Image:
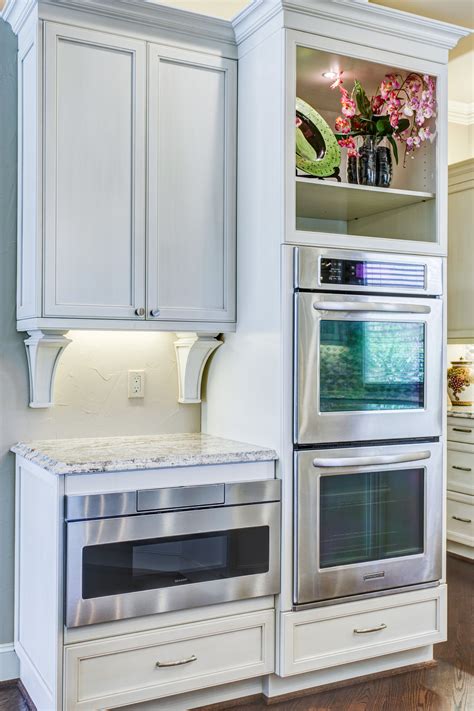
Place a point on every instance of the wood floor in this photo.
(448, 686)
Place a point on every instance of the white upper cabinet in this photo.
(127, 172)
(191, 186)
(95, 111)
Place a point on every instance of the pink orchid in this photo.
(343, 125)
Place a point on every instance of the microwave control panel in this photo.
(351, 272)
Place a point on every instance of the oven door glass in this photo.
(371, 516)
(132, 566)
(371, 365)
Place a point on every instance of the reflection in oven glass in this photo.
(131, 566)
(371, 516)
(371, 365)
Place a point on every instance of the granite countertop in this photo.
(467, 412)
(111, 454)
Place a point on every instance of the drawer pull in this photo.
(366, 630)
(178, 663)
(463, 520)
(466, 430)
(462, 469)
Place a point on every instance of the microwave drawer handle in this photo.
(358, 306)
(368, 461)
(367, 630)
(177, 663)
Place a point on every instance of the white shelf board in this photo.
(322, 200)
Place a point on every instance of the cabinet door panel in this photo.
(191, 199)
(95, 171)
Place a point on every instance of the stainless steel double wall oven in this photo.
(368, 383)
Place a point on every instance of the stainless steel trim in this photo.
(363, 596)
(461, 469)
(313, 584)
(369, 308)
(463, 520)
(466, 430)
(368, 630)
(80, 534)
(369, 461)
(180, 497)
(82, 507)
(311, 426)
(306, 270)
(178, 663)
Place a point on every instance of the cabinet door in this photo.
(95, 114)
(191, 186)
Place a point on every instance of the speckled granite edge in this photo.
(459, 412)
(169, 451)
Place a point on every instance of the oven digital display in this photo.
(351, 272)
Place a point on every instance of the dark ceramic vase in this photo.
(367, 166)
(352, 170)
(384, 167)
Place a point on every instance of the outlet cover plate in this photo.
(136, 384)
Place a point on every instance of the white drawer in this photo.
(460, 518)
(326, 636)
(461, 468)
(123, 670)
(461, 429)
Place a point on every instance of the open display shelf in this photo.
(405, 211)
(316, 199)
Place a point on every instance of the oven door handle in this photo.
(369, 461)
(371, 307)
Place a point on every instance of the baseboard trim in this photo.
(255, 698)
(9, 663)
(354, 681)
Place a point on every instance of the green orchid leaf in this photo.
(394, 147)
(403, 124)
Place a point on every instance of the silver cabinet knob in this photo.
(155, 312)
(140, 312)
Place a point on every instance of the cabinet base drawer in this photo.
(151, 665)
(461, 468)
(460, 429)
(460, 518)
(340, 634)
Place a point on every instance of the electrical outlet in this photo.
(136, 383)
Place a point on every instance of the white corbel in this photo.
(43, 350)
(192, 353)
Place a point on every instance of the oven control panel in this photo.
(352, 272)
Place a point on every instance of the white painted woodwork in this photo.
(43, 351)
(460, 518)
(191, 185)
(38, 583)
(192, 353)
(460, 429)
(325, 637)
(123, 670)
(95, 105)
(460, 468)
(461, 252)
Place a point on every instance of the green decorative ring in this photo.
(326, 165)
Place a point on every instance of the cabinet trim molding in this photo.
(192, 353)
(43, 351)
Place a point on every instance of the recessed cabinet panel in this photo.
(191, 191)
(95, 171)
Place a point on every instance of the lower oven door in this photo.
(139, 565)
(367, 519)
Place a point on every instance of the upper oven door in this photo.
(367, 519)
(130, 566)
(367, 368)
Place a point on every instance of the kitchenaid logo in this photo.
(373, 576)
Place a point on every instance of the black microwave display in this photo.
(391, 275)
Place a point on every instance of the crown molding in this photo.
(461, 112)
(142, 12)
(355, 13)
